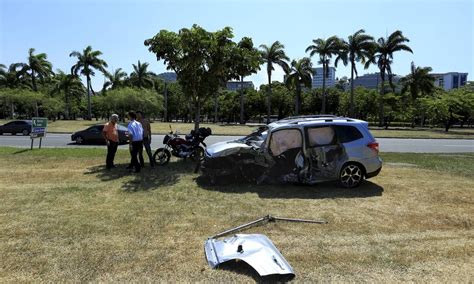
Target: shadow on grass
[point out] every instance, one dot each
(241, 267)
(21, 151)
(147, 179)
(318, 191)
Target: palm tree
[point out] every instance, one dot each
(141, 77)
(299, 75)
(87, 61)
(115, 79)
(14, 76)
(419, 83)
(358, 48)
(39, 66)
(71, 85)
(248, 62)
(273, 55)
(383, 57)
(325, 49)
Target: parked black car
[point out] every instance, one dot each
(16, 126)
(93, 135)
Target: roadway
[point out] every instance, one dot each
(386, 144)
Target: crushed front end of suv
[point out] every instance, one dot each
(303, 149)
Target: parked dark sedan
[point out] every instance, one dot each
(17, 126)
(93, 135)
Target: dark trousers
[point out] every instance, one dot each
(147, 145)
(137, 149)
(111, 150)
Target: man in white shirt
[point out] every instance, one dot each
(135, 135)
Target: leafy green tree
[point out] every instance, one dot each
(87, 62)
(447, 108)
(247, 61)
(71, 86)
(123, 100)
(115, 80)
(38, 66)
(299, 75)
(325, 49)
(202, 61)
(273, 55)
(255, 104)
(141, 77)
(382, 56)
(313, 100)
(358, 48)
(364, 103)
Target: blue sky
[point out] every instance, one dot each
(440, 31)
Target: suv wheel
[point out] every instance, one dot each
(25, 132)
(351, 175)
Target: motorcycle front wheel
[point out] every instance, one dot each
(161, 156)
(198, 154)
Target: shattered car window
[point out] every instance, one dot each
(320, 136)
(284, 140)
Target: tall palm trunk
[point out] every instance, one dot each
(197, 116)
(165, 112)
(216, 107)
(298, 99)
(323, 105)
(242, 120)
(66, 110)
(269, 109)
(33, 81)
(89, 107)
(382, 89)
(351, 105)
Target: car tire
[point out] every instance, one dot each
(351, 175)
(25, 132)
(13, 133)
(79, 140)
(161, 156)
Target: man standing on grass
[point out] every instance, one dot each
(111, 136)
(146, 138)
(135, 134)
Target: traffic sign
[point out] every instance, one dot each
(38, 129)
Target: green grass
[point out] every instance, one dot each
(240, 130)
(65, 218)
(459, 163)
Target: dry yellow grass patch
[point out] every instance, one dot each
(63, 217)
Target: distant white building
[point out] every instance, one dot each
(318, 77)
(450, 80)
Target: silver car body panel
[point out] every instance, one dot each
(255, 249)
(226, 148)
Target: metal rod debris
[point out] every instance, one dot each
(268, 218)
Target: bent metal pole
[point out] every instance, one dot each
(268, 218)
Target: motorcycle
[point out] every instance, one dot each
(189, 147)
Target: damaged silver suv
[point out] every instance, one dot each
(302, 149)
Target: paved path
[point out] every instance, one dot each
(386, 144)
